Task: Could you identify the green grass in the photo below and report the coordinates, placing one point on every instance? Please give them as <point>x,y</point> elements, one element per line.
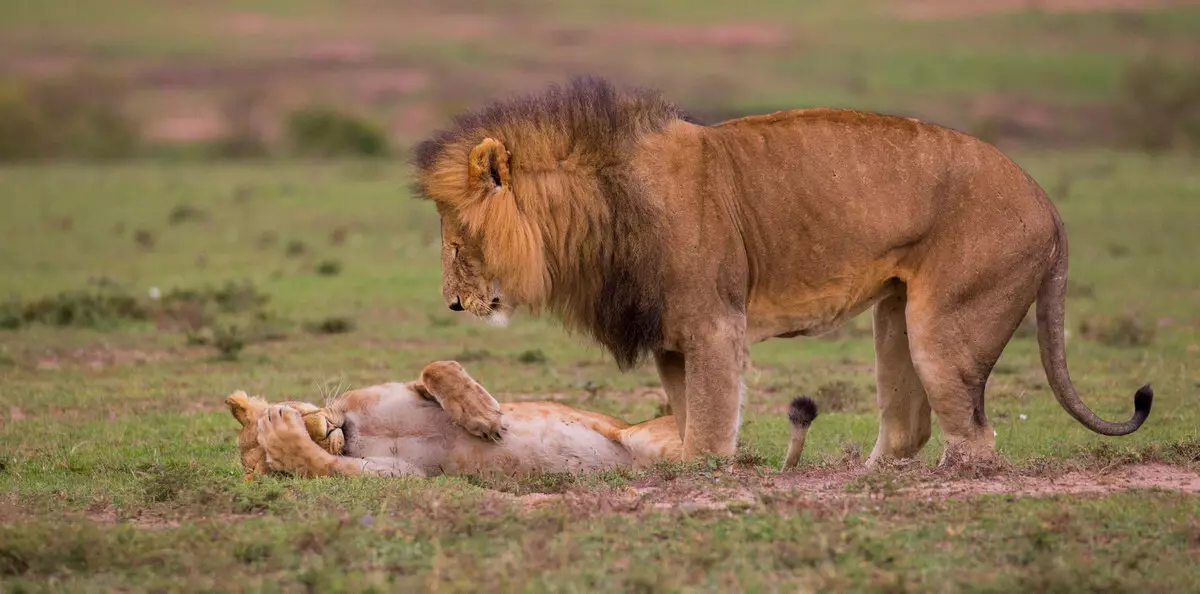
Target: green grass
<point>119,464</point>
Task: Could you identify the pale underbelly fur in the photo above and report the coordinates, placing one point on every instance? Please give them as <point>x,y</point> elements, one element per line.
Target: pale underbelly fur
<point>411,436</point>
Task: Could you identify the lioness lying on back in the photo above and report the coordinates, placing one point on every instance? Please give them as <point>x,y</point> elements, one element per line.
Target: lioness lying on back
<point>446,423</point>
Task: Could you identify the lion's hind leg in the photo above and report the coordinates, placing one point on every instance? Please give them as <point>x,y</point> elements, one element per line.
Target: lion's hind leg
<point>956,336</point>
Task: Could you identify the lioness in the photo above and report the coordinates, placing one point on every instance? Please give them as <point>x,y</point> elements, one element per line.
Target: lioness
<point>446,423</point>
<point>657,235</point>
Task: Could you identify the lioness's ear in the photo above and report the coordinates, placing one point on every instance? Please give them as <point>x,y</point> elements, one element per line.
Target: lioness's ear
<point>488,164</point>
<point>244,408</point>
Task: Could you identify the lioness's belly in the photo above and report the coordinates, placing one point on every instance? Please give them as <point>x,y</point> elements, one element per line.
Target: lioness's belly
<point>539,441</point>
<point>538,438</point>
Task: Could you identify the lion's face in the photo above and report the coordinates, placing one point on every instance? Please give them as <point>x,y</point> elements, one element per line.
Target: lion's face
<point>465,284</point>
<point>324,426</point>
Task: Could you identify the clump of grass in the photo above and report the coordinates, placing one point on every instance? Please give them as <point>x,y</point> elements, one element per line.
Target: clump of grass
<point>533,356</point>
<point>472,355</point>
<point>329,268</point>
<point>331,325</point>
<point>749,456</point>
<point>184,213</point>
<point>77,116</point>
<point>1160,105</point>
<point>229,342</point>
<point>327,132</point>
<point>93,308</point>
<point>437,321</point>
<point>295,248</point>
<point>1120,331</point>
<point>841,396</point>
<point>144,238</point>
<point>232,297</point>
<point>244,137</point>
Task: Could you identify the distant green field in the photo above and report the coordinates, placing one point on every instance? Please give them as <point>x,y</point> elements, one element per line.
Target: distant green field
<point>128,422</point>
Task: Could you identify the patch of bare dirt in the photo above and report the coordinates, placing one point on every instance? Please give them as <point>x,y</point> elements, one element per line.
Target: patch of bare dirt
<point>149,520</point>
<point>850,483</point>
<point>725,36</point>
<point>950,9</point>
<point>99,357</point>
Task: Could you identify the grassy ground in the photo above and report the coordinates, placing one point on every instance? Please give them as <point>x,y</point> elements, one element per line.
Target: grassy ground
<point>118,466</point>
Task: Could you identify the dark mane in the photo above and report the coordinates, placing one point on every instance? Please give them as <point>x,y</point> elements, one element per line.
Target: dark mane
<point>591,110</point>
<point>604,248</point>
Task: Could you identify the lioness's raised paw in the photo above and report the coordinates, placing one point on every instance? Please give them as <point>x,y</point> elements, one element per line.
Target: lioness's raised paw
<point>468,404</point>
<point>289,448</point>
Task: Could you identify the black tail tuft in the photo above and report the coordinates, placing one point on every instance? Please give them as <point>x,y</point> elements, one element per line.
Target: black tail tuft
<point>1143,400</point>
<point>803,411</point>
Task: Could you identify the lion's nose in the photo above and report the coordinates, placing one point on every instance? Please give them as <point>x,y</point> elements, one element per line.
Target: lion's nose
<point>456,305</point>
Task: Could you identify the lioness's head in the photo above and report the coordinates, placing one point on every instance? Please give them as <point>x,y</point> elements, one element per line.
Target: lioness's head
<point>324,426</point>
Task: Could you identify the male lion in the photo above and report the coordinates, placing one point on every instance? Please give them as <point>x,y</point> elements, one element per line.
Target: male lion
<point>446,423</point>
<point>657,235</point>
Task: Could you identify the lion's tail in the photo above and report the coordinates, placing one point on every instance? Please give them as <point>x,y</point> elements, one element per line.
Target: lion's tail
<point>801,414</point>
<point>1051,301</point>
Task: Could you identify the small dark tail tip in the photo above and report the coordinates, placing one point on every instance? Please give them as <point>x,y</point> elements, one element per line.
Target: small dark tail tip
<point>1143,400</point>
<point>802,411</point>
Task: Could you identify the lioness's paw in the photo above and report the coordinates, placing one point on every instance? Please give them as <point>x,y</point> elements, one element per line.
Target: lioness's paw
<point>282,435</point>
<point>480,419</point>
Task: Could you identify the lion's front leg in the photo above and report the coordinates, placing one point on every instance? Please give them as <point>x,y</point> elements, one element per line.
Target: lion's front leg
<point>716,358</point>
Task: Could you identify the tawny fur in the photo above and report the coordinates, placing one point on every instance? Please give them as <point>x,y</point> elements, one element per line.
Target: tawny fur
<point>656,235</point>
<point>444,423</point>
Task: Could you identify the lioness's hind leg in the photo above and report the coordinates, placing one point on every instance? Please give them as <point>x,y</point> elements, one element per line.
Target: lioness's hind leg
<point>904,413</point>
<point>672,373</point>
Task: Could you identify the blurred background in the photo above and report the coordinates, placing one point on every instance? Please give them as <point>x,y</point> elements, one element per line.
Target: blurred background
<point>274,78</point>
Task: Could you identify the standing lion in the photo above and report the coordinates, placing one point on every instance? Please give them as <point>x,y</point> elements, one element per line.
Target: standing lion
<point>659,236</point>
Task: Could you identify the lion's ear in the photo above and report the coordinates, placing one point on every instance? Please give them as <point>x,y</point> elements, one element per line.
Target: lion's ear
<point>488,164</point>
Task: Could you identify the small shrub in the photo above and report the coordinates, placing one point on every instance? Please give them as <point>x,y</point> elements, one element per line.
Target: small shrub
<point>78,116</point>
<point>12,314</point>
<point>326,132</point>
<point>184,213</point>
<point>329,268</point>
<point>102,308</point>
<point>244,137</point>
<point>144,239</point>
<point>1160,105</point>
<point>295,248</point>
<point>1120,331</point>
<point>840,396</point>
<point>332,325</point>
<point>532,356</point>
<point>338,236</point>
<point>472,355</point>
<point>437,321</point>
<point>229,342</point>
